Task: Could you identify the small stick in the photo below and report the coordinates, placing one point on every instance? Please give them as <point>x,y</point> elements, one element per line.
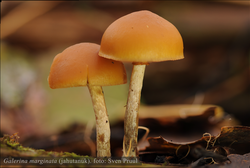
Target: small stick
<point>210,137</point>
<point>145,135</point>
<point>176,152</point>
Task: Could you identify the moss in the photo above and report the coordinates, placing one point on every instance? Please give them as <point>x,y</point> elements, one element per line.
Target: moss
<point>11,147</point>
<point>67,154</point>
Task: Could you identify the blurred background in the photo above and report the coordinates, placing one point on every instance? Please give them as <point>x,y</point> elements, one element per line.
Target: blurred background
<point>215,70</point>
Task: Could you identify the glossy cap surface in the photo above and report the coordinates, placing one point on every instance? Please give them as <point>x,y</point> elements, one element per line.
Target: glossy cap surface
<point>80,64</point>
<point>142,37</point>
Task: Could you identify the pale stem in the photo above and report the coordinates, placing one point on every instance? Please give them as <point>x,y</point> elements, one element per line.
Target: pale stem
<point>102,121</point>
<point>132,111</point>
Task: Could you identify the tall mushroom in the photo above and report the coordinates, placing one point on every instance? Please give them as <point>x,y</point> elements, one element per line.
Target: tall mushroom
<point>80,65</point>
<point>139,37</point>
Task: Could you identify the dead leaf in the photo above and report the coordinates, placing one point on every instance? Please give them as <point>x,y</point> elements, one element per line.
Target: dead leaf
<point>237,139</point>
<point>179,122</point>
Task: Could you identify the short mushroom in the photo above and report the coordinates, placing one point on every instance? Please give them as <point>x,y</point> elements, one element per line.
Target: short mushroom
<point>139,37</point>
<point>80,65</point>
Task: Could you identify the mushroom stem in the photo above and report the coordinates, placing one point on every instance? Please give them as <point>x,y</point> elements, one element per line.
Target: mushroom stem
<point>102,121</point>
<point>132,111</point>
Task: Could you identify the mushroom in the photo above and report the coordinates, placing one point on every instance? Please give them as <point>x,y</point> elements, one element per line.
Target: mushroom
<point>80,65</point>
<point>139,37</point>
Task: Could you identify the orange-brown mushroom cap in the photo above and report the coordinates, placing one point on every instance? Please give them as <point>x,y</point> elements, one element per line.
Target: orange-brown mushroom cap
<point>141,37</point>
<point>80,64</point>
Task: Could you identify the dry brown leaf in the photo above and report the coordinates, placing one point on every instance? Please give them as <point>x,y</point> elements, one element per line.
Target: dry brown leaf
<point>231,140</point>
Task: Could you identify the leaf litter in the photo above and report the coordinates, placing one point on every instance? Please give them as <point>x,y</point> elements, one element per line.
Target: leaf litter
<point>229,148</point>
